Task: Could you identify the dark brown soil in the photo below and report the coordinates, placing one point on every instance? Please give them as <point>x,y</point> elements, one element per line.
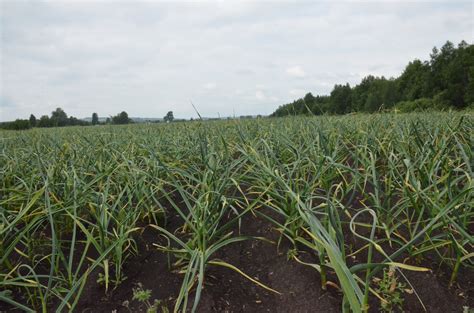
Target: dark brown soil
<point>228,291</point>
<point>225,290</point>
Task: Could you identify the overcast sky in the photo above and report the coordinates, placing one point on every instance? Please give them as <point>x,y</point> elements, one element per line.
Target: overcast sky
<point>226,57</point>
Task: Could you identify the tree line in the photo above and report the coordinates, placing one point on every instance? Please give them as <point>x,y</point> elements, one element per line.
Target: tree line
<point>59,118</point>
<point>446,81</point>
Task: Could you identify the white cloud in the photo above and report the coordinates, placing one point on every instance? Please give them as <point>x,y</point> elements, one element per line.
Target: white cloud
<point>296,71</point>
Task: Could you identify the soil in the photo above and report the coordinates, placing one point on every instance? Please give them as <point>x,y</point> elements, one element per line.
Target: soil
<point>228,291</point>
<point>225,290</point>
<point>299,285</point>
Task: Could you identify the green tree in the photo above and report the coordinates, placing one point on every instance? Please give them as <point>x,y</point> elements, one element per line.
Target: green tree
<point>44,121</point>
<point>309,102</point>
<point>379,93</point>
<point>73,121</point>
<point>340,102</point>
<point>458,76</point>
<point>168,117</point>
<point>95,119</point>
<point>469,95</point>
<point>32,120</point>
<point>121,118</point>
<point>360,93</point>
<point>59,117</point>
<point>414,81</point>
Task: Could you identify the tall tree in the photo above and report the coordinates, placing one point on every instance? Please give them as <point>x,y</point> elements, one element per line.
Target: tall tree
<point>59,117</point>
<point>168,117</point>
<point>95,119</point>
<point>414,81</point>
<point>469,95</point>
<point>32,120</point>
<point>121,118</point>
<point>341,99</point>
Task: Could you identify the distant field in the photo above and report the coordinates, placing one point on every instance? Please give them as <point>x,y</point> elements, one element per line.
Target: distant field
<point>298,214</point>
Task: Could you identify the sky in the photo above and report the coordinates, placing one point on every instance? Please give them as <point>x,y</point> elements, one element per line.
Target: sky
<point>226,57</point>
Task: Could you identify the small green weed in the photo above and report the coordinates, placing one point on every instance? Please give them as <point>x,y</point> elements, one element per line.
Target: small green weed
<point>391,291</point>
<point>144,295</point>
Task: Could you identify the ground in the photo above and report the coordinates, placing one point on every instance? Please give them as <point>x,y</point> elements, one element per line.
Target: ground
<point>228,291</point>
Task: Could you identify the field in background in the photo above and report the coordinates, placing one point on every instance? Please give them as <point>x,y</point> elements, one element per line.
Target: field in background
<point>374,209</point>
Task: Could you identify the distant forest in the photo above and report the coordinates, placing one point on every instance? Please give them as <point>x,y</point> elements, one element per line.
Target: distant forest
<point>444,82</point>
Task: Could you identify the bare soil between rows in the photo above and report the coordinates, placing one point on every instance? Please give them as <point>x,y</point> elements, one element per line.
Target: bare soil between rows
<point>228,291</point>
